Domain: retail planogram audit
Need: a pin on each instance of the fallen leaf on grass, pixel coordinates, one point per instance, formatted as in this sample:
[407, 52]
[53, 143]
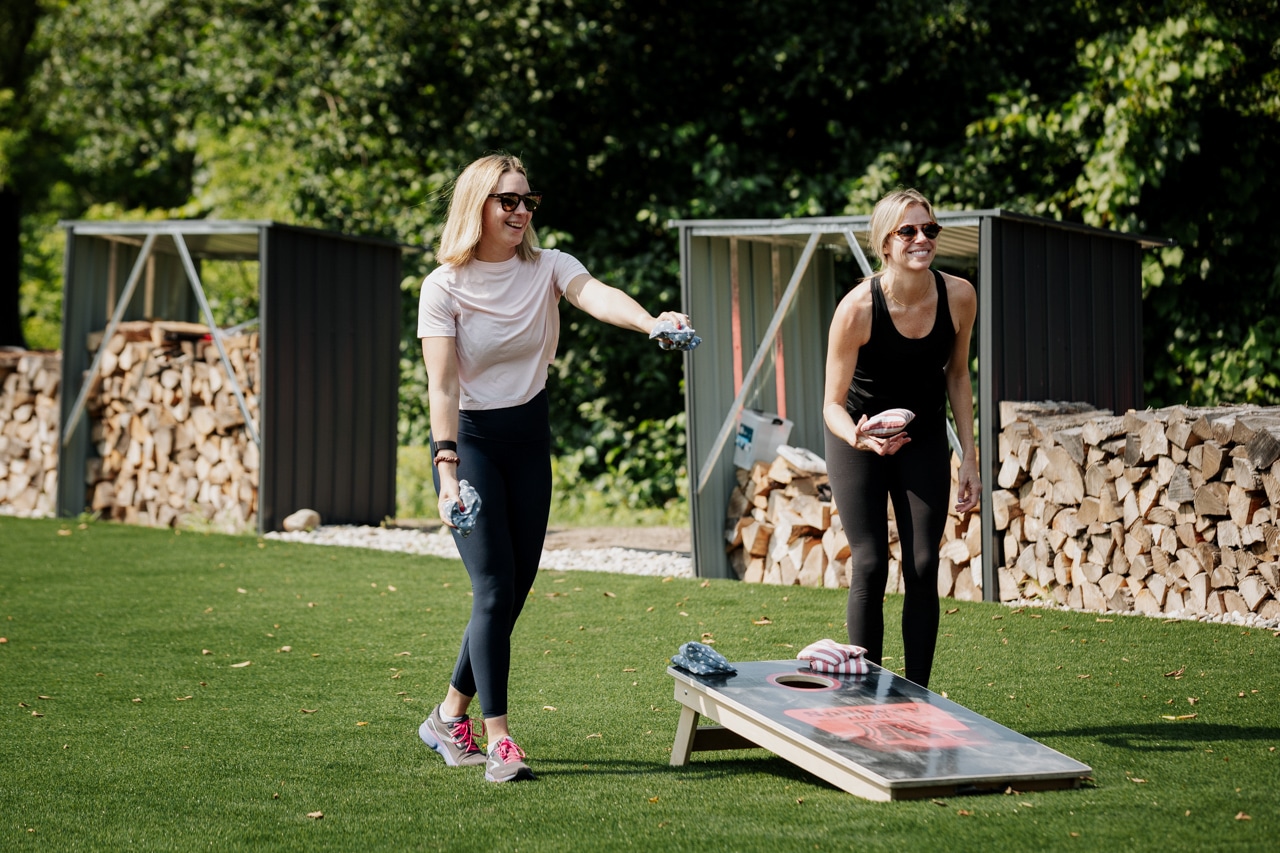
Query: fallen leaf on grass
[4, 639]
[1084, 676]
[763, 620]
[182, 698]
[315, 815]
[308, 710]
[629, 669]
[403, 654]
[36, 714]
[1242, 816]
[64, 532]
[241, 665]
[608, 594]
[1177, 673]
[50, 697]
[205, 652]
[1178, 717]
[595, 734]
[1139, 781]
[550, 708]
[653, 799]
[964, 813]
[362, 723]
[953, 610]
[285, 649]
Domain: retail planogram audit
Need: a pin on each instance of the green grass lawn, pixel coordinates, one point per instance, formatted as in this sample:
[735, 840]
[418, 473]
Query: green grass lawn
[176, 690]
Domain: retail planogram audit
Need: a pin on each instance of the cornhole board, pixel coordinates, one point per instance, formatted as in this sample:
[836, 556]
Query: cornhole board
[878, 735]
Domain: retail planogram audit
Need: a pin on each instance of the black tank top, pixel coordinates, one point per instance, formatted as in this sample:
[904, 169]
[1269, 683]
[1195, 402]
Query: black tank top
[896, 371]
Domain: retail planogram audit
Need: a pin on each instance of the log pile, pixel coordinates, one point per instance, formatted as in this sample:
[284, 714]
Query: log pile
[172, 446]
[1169, 511]
[29, 432]
[782, 527]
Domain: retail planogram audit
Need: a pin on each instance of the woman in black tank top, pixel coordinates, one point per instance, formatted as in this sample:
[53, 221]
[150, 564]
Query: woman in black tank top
[900, 340]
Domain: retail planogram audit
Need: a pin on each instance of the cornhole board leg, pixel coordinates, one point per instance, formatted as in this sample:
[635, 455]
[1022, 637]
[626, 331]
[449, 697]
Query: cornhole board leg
[691, 737]
[967, 753]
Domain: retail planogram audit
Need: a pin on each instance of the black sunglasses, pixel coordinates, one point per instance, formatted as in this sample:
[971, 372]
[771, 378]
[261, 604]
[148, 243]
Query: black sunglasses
[510, 201]
[908, 232]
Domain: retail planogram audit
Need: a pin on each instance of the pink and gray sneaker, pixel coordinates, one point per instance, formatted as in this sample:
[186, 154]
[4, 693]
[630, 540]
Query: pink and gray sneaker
[506, 762]
[456, 741]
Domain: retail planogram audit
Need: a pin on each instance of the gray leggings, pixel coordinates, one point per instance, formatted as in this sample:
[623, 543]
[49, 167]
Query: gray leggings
[917, 480]
[506, 455]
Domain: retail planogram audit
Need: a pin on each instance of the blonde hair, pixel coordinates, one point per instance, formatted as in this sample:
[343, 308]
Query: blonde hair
[464, 222]
[888, 213]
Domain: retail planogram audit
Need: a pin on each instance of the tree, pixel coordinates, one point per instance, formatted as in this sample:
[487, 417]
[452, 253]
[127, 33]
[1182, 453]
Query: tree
[18, 125]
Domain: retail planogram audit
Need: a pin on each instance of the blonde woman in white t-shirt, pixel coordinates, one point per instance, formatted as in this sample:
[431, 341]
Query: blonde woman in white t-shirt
[489, 323]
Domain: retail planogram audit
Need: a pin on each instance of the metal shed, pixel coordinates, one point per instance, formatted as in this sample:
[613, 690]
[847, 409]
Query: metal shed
[329, 331]
[1059, 318]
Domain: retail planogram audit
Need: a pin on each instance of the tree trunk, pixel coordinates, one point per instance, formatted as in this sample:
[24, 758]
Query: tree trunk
[10, 269]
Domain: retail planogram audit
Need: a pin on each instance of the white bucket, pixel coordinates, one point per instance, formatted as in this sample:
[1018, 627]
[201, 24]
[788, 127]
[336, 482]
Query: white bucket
[759, 435]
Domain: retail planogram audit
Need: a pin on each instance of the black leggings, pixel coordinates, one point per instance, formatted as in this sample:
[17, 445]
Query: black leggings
[917, 480]
[506, 455]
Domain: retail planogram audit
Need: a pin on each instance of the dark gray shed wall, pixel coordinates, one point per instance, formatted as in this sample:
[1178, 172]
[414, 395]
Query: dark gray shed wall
[331, 372]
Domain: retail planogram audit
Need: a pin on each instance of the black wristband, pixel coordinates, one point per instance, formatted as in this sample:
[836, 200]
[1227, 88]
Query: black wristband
[437, 446]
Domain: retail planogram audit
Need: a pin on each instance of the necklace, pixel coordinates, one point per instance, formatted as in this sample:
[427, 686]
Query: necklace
[889, 290]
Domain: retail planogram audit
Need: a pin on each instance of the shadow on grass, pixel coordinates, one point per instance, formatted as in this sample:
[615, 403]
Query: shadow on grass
[710, 768]
[1173, 736]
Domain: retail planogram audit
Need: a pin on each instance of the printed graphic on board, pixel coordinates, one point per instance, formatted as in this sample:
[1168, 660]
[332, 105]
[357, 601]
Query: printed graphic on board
[896, 727]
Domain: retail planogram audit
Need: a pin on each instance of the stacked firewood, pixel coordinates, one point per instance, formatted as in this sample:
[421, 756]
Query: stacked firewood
[782, 527]
[29, 432]
[1165, 511]
[172, 445]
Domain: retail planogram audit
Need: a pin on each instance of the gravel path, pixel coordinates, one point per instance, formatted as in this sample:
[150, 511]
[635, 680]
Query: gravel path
[439, 543]
[628, 561]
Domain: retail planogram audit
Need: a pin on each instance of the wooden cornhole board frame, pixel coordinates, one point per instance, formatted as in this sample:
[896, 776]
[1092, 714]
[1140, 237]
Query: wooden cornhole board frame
[877, 736]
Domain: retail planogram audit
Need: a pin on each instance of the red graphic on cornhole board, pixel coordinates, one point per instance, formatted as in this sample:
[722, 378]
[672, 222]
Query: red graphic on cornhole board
[912, 726]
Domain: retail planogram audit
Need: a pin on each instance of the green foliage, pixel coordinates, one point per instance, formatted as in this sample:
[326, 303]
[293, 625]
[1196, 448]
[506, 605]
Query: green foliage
[355, 115]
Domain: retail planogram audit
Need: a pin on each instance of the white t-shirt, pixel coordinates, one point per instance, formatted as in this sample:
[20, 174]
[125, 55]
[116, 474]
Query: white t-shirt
[506, 321]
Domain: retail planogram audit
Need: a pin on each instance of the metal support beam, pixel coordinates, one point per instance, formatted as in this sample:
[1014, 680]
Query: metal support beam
[215, 333]
[77, 410]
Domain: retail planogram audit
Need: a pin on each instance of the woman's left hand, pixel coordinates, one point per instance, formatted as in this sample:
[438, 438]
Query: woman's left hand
[968, 487]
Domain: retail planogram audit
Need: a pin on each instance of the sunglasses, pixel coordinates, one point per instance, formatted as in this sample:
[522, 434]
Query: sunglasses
[510, 201]
[908, 232]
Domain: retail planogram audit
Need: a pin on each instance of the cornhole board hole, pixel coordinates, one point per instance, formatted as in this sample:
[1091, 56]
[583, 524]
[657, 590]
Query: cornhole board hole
[878, 735]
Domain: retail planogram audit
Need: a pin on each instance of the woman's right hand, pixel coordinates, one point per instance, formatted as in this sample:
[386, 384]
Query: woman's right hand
[874, 444]
[449, 498]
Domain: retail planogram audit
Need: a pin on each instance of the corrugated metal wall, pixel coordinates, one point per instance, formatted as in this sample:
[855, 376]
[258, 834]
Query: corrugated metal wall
[331, 311]
[1067, 308]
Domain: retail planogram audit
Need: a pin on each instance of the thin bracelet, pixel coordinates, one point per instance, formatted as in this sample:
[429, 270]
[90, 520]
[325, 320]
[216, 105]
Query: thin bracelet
[438, 459]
